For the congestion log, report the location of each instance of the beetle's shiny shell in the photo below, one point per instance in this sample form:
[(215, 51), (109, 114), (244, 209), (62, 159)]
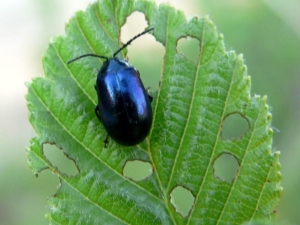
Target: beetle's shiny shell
[(123, 103)]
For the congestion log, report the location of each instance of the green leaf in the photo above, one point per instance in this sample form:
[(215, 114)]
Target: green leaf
[(190, 107)]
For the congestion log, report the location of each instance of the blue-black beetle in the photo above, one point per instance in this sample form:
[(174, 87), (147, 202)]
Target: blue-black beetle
[(124, 106)]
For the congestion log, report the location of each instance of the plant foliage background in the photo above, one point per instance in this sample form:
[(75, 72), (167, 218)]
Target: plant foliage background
[(281, 80)]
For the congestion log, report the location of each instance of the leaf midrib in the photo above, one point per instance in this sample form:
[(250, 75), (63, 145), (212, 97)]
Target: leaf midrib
[(150, 133)]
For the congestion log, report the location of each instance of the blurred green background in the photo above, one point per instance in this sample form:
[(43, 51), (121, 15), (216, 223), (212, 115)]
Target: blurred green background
[(266, 32)]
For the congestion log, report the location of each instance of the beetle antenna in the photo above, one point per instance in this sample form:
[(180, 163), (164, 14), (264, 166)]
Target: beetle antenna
[(132, 39), (85, 55)]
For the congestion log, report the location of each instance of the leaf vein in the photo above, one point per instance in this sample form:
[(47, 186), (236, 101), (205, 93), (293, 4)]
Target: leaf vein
[(88, 149)]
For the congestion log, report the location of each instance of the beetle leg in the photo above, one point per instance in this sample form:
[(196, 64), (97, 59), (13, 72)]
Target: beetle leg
[(106, 137), (106, 141), (97, 113), (149, 96)]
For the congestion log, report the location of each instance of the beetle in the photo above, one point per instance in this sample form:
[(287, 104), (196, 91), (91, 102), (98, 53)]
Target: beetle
[(124, 105)]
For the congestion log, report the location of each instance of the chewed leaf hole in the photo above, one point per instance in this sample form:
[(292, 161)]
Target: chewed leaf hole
[(189, 47), (135, 23), (182, 199), (234, 126), (60, 160), (226, 167), (137, 170), (145, 53)]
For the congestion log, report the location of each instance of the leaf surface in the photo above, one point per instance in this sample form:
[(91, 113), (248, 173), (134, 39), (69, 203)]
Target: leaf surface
[(189, 109)]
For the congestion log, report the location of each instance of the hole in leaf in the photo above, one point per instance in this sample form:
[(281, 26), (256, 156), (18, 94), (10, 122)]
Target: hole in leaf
[(234, 126), (135, 24), (58, 159), (144, 53), (226, 167), (137, 170), (189, 47), (182, 199)]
